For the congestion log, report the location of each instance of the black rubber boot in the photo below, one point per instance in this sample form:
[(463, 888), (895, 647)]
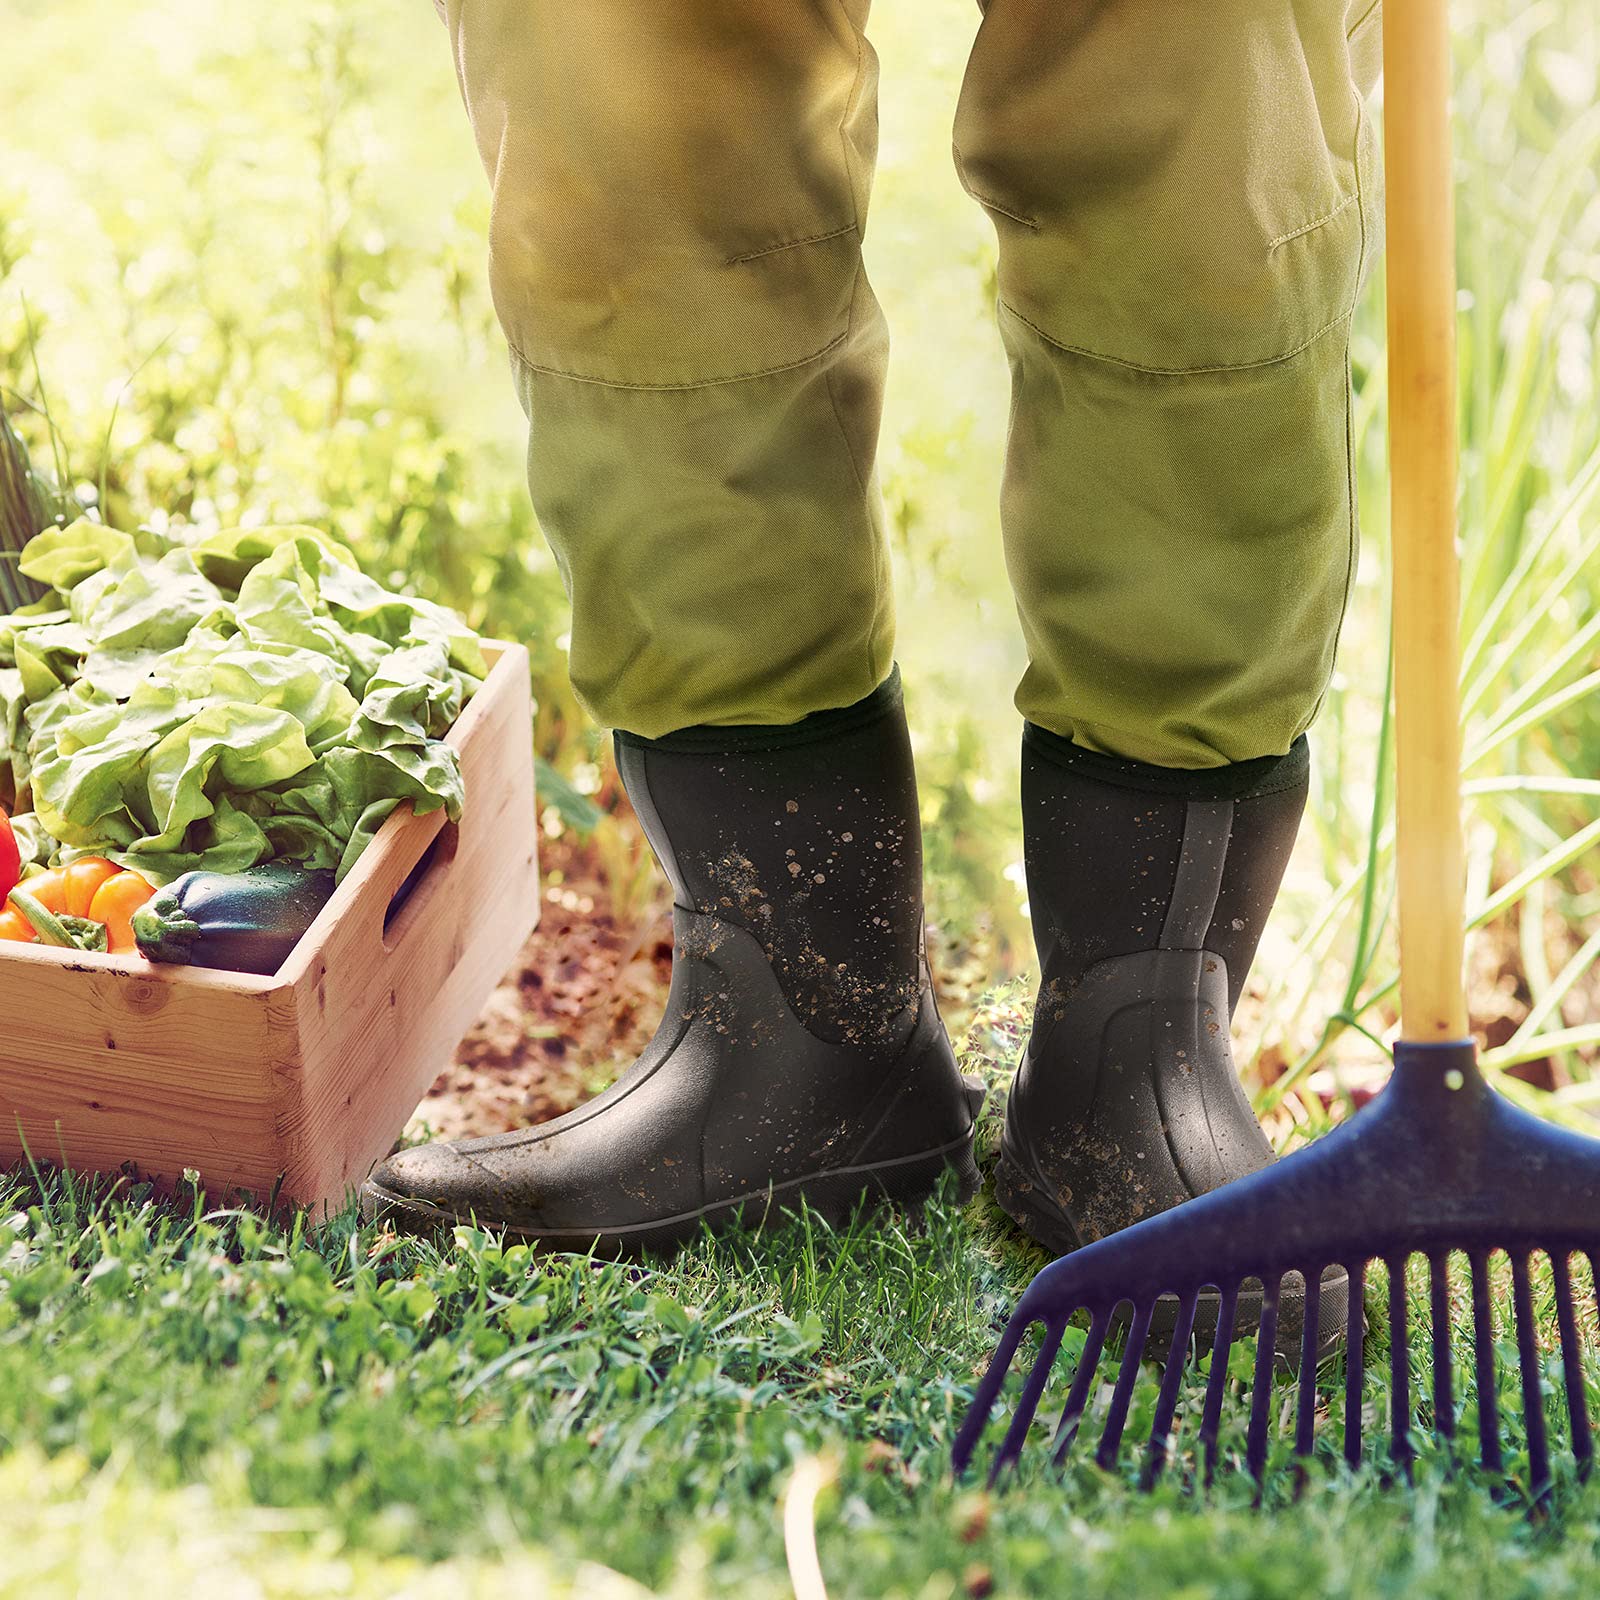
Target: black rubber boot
[(800, 1053), (1149, 888)]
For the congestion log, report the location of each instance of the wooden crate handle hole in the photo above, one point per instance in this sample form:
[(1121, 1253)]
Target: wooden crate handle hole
[(410, 901)]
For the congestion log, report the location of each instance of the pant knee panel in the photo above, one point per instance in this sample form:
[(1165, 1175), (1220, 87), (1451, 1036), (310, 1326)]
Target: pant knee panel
[(722, 544), (679, 187), (1181, 551), (1176, 187)]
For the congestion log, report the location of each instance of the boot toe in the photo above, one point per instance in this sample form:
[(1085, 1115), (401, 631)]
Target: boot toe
[(432, 1181)]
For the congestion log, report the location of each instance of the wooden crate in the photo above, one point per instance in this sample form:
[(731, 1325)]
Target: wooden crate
[(308, 1075)]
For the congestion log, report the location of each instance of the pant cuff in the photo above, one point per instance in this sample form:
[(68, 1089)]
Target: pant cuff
[(708, 739), (1241, 780)]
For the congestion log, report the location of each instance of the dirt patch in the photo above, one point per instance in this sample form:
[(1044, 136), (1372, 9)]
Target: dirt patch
[(581, 1001)]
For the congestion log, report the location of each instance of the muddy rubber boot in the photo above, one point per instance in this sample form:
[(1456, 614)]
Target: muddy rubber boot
[(1149, 888), (801, 1051)]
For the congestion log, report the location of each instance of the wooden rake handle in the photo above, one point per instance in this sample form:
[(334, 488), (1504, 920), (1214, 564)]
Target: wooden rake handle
[(1420, 223)]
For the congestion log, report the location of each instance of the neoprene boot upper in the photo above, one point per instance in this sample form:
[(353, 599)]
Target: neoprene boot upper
[(1149, 889), (800, 1051)]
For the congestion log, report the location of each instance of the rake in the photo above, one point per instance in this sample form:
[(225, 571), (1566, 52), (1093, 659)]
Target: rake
[(1436, 1164)]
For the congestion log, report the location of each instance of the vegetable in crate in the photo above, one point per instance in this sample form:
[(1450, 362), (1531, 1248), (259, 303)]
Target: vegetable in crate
[(10, 858), (242, 921), (214, 703), (50, 927), (114, 904), (85, 905)]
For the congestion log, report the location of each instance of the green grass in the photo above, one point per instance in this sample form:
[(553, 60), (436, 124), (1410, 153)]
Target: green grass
[(73, 1530), (481, 1405)]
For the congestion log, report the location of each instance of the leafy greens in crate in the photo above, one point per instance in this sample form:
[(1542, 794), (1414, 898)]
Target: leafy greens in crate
[(182, 705)]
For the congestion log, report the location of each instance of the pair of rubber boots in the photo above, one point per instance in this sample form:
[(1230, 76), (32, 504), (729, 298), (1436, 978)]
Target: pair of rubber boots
[(801, 1053)]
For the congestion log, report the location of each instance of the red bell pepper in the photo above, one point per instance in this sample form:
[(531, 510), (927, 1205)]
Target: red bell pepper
[(10, 858)]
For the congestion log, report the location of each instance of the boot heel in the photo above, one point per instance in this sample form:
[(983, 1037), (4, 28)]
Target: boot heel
[(911, 1183), (1020, 1200), (968, 1179)]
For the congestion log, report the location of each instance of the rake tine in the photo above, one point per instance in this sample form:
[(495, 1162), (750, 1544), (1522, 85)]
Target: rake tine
[(1217, 1381), (1572, 1364), (1306, 1415), (1483, 1365), (1111, 1435), (1355, 1366), (1078, 1395), (1528, 1360), (1167, 1400), (989, 1387), (1261, 1389), (1399, 1368), (1028, 1403), (1444, 1403)]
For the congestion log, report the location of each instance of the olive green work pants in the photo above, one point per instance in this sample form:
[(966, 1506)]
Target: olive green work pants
[(1187, 196)]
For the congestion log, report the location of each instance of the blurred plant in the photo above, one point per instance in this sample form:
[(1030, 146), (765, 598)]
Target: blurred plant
[(27, 504), (265, 359)]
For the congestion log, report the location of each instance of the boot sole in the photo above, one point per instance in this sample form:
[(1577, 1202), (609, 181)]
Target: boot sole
[(908, 1181), (1019, 1201)]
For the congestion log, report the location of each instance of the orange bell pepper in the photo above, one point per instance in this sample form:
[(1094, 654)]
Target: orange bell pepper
[(90, 887), (84, 878), (114, 904), (49, 889)]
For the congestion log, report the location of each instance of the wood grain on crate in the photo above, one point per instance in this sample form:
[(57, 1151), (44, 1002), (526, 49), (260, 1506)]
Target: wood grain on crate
[(308, 1075)]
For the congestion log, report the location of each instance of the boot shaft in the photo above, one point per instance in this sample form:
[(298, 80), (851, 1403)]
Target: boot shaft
[(1149, 888), (807, 837), (1123, 858)]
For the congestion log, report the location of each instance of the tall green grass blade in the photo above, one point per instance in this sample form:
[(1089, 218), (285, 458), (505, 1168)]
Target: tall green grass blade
[(1511, 721), (1530, 553), (1552, 861), (1548, 999), (1370, 928), (1524, 783)]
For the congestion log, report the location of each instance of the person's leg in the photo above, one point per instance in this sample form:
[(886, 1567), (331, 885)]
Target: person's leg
[(680, 188), (1187, 199), (1186, 196)]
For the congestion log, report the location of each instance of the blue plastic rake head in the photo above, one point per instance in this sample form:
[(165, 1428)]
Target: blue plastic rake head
[(1436, 1164)]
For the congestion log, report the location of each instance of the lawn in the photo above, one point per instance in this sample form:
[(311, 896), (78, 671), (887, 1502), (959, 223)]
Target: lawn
[(241, 267), (340, 1411)]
